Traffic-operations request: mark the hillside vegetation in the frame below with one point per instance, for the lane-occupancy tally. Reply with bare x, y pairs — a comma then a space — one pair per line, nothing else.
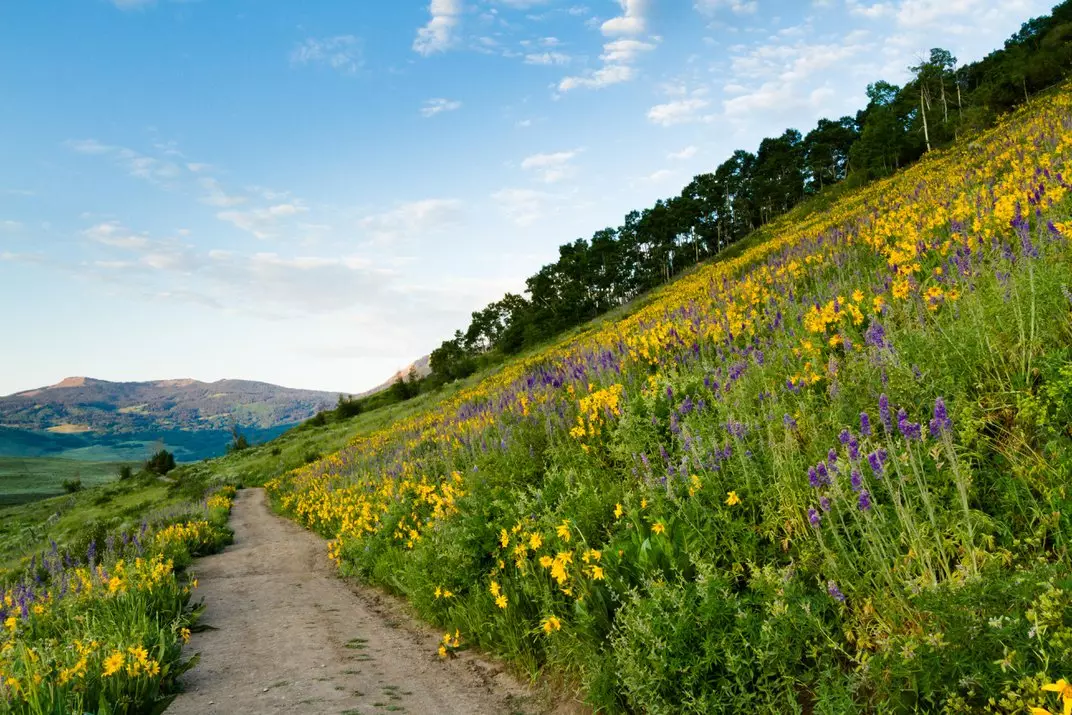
943, 100
829, 474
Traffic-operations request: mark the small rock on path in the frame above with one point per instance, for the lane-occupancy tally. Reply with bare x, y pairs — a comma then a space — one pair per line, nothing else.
288, 636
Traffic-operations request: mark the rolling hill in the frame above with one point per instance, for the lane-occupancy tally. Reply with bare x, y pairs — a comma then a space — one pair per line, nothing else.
90, 419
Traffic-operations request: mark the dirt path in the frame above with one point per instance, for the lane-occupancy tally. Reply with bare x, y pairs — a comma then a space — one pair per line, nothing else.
290, 637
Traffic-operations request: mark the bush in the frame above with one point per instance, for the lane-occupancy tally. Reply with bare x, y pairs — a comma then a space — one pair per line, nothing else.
125, 472
72, 485
160, 463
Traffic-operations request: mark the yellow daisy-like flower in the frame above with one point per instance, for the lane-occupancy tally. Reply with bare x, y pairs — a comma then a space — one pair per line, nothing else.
1064, 689
113, 664
535, 541
551, 624
658, 528
442, 651
500, 601
618, 511
732, 499
563, 531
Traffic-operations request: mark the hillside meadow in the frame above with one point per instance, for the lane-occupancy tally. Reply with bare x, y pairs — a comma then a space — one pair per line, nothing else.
829, 474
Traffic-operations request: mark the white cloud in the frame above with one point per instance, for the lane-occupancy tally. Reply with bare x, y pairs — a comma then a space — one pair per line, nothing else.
131, 4
342, 53
738, 7
523, 206
632, 21
217, 196
438, 34
618, 55
658, 177
412, 219
686, 153
112, 233
547, 58
551, 168
682, 111
263, 223
435, 106
603, 77
624, 51
138, 165
10, 226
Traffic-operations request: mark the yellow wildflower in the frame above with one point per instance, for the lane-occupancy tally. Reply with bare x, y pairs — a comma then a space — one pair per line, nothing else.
551, 624
113, 664
732, 499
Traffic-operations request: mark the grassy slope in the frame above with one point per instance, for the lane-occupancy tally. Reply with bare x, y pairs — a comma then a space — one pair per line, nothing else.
30, 479
766, 627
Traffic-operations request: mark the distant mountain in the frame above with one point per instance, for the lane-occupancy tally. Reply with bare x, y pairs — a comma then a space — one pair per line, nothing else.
85, 418
421, 366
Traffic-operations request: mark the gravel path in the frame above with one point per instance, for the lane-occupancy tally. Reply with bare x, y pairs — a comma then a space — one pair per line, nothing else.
288, 636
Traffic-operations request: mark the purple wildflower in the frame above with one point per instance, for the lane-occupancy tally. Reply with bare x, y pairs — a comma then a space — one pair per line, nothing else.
831, 457
813, 477
875, 335
865, 424
835, 592
884, 412
824, 503
940, 422
845, 436
856, 480
824, 475
877, 461
789, 422
910, 430
864, 502
814, 517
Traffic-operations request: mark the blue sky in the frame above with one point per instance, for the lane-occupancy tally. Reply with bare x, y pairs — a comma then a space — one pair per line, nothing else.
315, 193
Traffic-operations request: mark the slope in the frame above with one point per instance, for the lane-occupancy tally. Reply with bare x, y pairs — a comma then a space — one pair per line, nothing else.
829, 474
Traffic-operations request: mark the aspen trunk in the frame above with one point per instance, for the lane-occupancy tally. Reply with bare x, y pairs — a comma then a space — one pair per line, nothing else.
923, 110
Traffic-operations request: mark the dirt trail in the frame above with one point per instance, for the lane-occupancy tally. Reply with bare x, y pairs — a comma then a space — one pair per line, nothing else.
291, 637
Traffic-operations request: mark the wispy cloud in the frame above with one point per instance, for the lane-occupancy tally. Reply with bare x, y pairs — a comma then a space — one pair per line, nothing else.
738, 7
136, 164
682, 111
413, 218
524, 206
547, 58
438, 34
342, 53
216, 196
266, 222
553, 167
439, 105
686, 153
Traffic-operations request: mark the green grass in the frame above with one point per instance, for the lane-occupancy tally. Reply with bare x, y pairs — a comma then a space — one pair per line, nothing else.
24, 480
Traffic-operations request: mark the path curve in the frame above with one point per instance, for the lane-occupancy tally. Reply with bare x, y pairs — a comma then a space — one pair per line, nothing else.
288, 636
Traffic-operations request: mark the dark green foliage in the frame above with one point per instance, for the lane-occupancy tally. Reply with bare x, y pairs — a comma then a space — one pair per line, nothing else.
160, 463
72, 485
347, 407
898, 125
126, 472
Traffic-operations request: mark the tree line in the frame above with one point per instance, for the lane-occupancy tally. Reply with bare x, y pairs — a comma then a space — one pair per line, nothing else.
941, 102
